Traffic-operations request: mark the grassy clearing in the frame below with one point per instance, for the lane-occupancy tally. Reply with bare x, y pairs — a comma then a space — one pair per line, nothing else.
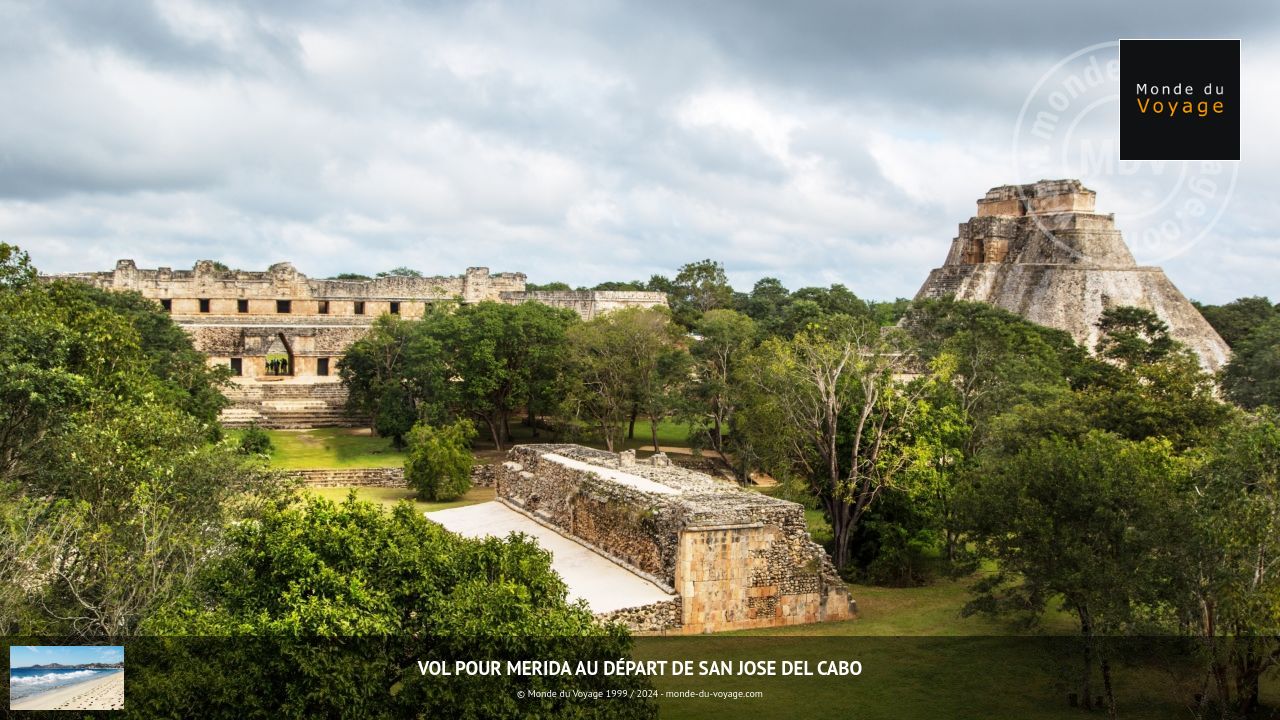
331, 448
389, 497
342, 448
921, 659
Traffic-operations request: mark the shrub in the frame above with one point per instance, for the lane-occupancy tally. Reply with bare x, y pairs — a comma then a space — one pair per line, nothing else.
255, 441
439, 461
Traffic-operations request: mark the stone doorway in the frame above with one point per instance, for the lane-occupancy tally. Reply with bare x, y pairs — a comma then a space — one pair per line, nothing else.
279, 360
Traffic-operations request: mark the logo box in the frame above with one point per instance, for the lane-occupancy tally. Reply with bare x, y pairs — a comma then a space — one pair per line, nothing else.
1179, 99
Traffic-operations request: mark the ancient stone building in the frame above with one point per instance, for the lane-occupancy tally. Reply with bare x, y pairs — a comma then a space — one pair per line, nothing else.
282, 333
689, 553
1041, 251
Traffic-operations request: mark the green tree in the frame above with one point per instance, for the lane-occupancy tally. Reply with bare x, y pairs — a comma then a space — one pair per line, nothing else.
396, 589
482, 361
107, 465
439, 462
723, 338
375, 370
829, 407
551, 286
1133, 336
401, 271
1223, 536
766, 304
1078, 519
255, 441
994, 360
889, 312
622, 364
699, 287
1252, 376
622, 285
1146, 384
1237, 319
395, 415
500, 357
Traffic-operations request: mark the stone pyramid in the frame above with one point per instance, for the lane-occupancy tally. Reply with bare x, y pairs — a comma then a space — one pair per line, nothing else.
1041, 251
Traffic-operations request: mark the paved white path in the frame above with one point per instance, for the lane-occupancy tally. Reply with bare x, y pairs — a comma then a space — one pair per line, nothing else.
604, 584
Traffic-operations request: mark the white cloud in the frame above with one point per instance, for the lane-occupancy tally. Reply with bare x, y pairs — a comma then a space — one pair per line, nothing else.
572, 141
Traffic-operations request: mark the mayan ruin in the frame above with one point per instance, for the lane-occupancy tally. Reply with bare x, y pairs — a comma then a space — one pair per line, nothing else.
1042, 251
669, 550
283, 333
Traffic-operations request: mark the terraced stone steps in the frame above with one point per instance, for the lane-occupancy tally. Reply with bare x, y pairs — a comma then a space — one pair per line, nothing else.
288, 406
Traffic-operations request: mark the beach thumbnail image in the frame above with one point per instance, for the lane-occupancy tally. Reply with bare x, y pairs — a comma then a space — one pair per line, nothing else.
66, 677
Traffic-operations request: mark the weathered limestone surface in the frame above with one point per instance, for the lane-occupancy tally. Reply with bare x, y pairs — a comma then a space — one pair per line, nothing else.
1041, 251
737, 559
481, 476
354, 477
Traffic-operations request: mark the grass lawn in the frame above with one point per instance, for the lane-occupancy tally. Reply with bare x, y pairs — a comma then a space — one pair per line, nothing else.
921, 659
389, 497
332, 448
338, 448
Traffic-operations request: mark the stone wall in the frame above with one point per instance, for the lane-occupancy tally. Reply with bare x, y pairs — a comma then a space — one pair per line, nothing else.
356, 477
738, 559
588, 303
481, 476
657, 618
238, 317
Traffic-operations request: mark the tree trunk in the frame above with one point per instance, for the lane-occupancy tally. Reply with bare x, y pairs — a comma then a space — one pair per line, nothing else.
608, 435
841, 528
493, 432
1086, 632
531, 418
1248, 672
1106, 686
506, 426
653, 432
631, 426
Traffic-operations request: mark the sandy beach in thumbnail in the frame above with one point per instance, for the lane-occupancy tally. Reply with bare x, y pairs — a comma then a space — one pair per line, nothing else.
99, 693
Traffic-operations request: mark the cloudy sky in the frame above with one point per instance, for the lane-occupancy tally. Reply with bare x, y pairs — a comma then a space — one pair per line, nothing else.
586, 141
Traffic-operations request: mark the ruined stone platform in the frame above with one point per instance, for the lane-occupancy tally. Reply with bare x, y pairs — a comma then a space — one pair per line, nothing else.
723, 558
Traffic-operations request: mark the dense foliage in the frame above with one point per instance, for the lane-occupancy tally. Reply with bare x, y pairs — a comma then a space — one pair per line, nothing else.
337, 603
112, 485
439, 462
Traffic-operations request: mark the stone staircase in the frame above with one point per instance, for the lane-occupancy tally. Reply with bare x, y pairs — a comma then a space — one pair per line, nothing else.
288, 406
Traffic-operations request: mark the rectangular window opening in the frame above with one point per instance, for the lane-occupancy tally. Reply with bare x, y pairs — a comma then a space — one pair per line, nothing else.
322, 366
204, 305
242, 306
284, 306
359, 307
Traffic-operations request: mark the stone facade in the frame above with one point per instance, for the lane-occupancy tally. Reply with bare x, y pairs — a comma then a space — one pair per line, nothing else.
281, 326
736, 559
1041, 251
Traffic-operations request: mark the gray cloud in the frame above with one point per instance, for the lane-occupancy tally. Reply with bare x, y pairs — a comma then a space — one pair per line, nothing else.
580, 141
